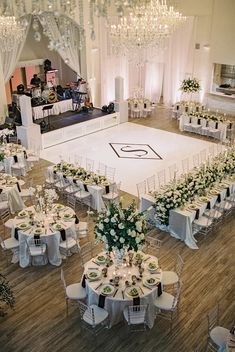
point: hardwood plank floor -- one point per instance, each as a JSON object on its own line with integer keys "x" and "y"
{"x": 38, "y": 322}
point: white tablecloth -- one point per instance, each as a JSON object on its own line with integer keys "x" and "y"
{"x": 50, "y": 237}
{"x": 12, "y": 193}
{"x": 58, "y": 108}
{"x": 115, "y": 305}
{"x": 180, "y": 220}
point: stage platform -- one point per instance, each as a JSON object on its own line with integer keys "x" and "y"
{"x": 70, "y": 118}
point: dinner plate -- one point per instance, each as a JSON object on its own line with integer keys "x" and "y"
{"x": 132, "y": 291}
{"x": 93, "y": 274}
{"x": 107, "y": 289}
{"x": 204, "y": 199}
{"x": 24, "y": 226}
{"x": 67, "y": 216}
{"x": 38, "y": 231}
{"x": 150, "y": 281}
{"x": 152, "y": 266}
{"x": 100, "y": 259}
{"x": 215, "y": 193}
{"x": 23, "y": 214}
{"x": 59, "y": 206}
{"x": 193, "y": 207}
{"x": 139, "y": 255}
{"x": 57, "y": 227}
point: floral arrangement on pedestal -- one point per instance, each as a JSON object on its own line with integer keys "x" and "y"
{"x": 193, "y": 184}
{"x": 121, "y": 228}
{"x": 45, "y": 197}
{"x": 190, "y": 85}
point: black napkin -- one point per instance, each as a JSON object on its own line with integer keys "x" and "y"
{"x": 16, "y": 235}
{"x": 136, "y": 301}
{"x": 18, "y": 186}
{"x": 36, "y": 237}
{"x": 107, "y": 189}
{"x": 85, "y": 187}
{"x": 186, "y": 109}
{"x": 54, "y": 172}
{"x": 0, "y": 190}
{"x": 219, "y": 198}
{"x": 159, "y": 289}
{"x": 230, "y": 126}
{"x": 227, "y": 192}
{"x": 25, "y": 155}
{"x": 7, "y": 138}
{"x": 208, "y": 205}
{"x": 177, "y": 107}
{"x": 101, "y": 302}
{"x": 74, "y": 181}
{"x": 216, "y": 125}
{"x": 84, "y": 281}
{"x": 63, "y": 234}
{"x": 15, "y": 158}
{"x": 64, "y": 176}
{"x": 197, "y": 214}
{"x": 197, "y": 108}
{"x": 76, "y": 219}
{"x": 199, "y": 121}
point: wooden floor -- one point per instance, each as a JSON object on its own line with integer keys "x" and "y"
{"x": 39, "y": 324}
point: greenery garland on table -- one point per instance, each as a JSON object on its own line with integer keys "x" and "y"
{"x": 190, "y": 85}
{"x": 121, "y": 228}
{"x": 80, "y": 173}
{"x": 212, "y": 117}
{"x": 2, "y": 156}
{"x": 193, "y": 184}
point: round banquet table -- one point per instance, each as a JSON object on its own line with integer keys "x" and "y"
{"x": 49, "y": 234}
{"x": 10, "y": 187}
{"x": 116, "y": 304}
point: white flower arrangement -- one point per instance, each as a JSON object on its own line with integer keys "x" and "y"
{"x": 193, "y": 184}
{"x": 217, "y": 118}
{"x": 190, "y": 85}
{"x": 6, "y": 132}
{"x": 121, "y": 228}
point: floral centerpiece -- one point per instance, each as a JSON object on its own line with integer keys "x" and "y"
{"x": 217, "y": 118}
{"x": 45, "y": 197}
{"x": 5, "y": 133}
{"x": 190, "y": 85}
{"x": 121, "y": 228}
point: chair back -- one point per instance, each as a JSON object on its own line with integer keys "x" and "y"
{"x": 194, "y": 120}
{"x": 137, "y": 314}
{"x": 110, "y": 173}
{"x": 211, "y": 150}
{"x": 62, "y": 277}
{"x": 177, "y": 290}
{"x": 172, "y": 171}
{"x": 161, "y": 178}
{"x": 101, "y": 169}
{"x": 179, "y": 265}
{"x": 196, "y": 160}
{"x": 35, "y": 242}
{"x": 77, "y": 160}
{"x": 2, "y": 243}
{"x": 213, "y": 317}
{"x": 90, "y": 164}
{"x": 185, "y": 165}
{"x": 4, "y": 216}
{"x": 83, "y": 308}
{"x": 141, "y": 188}
{"x": 86, "y": 252}
{"x": 71, "y": 202}
{"x": 151, "y": 183}
{"x": 203, "y": 155}
{"x": 203, "y": 122}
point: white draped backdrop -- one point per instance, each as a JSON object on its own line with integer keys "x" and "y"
{"x": 159, "y": 75}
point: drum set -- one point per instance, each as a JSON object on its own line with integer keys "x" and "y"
{"x": 39, "y": 96}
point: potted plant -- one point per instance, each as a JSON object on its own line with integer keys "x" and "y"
{"x": 7, "y": 298}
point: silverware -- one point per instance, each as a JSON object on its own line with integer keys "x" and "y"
{"x": 145, "y": 260}
{"x": 115, "y": 292}
{"x": 92, "y": 268}
{"x": 99, "y": 286}
{"x": 95, "y": 263}
{"x": 141, "y": 290}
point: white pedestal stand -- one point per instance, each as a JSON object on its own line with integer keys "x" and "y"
{"x": 120, "y": 105}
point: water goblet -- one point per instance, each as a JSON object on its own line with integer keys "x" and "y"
{"x": 141, "y": 270}
{"x": 116, "y": 280}
{"x": 104, "y": 272}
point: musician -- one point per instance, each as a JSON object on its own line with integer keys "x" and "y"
{"x": 35, "y": 81}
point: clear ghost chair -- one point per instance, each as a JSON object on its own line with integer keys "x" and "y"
{"x": 196, "y": 160}
{"x": 161, "y": 178}
{"x": 172, "y": 171}
{"x": 185, "y": 165}
{"x": 203, "y": 155}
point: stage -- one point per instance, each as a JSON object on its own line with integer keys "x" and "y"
{"x": 70, "y": 118}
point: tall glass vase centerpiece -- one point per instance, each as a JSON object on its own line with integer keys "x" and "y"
{"x": 121, "y": 229}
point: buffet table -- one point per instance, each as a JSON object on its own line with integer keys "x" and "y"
{"x": 31, "y": 222}
{"x": 120, "y": 296}
{"x": 58, "y": 108}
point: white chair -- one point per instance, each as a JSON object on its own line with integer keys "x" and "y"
{"x": 68, "y": 245}
{"x": 114, "y": 193}
{"x": 4, "y": 204}
{"x": 151, "y": 184}
{"x": 135, "y": 110}
{"x": 90, "y": 165}
{"x": 86, "y": 252}
{"x": 204, "y": 224}
{"x": 73, "y": 292}
{"x": 167, "y": 304}
{"x": 185, "y": 165}
{"x": 213, "y": 132}
{"x": 93, "y": 318}
{"x": 211, "y": 150}
{"x": 82, "y": 226}
{"x": 110, "y": 173}
{"x": 136, "y": 317}
{"x": 9, "y": 244}
{"x": 172, "y": 277}
{"x": 101, "y": 169}
{"x": 147, "y": 111}
{"x": 161, "y": 178}
{"x": 217, "y": 335}
{"x": 19, "y": 168}
{"x": 77, "y": 160}
{"x": 154, "y": 245}
{"x": 186, "y": 123}
{"x": 196, "y": 160}
{"x": 141, "y": 189}
{"x": 195, "y": 126}
{"x": 50, "y": 178}
{"x": 204, "y": 127}
{"x": 172, "y": 172}
{"x": 37, "y": 249}
{"x": 83, "y": 197}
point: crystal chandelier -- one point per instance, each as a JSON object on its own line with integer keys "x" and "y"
{"x": 148, "y": 26}
{"x": 11, "y": 32}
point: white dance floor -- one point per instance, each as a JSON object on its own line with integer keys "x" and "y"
{"x": 131, "y": 169}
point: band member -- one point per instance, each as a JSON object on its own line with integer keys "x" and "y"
{"x": 35, "y": 81}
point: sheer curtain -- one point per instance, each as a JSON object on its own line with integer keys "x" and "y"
{"x": 178, "y": 61}
{"x": 70, "y": 55}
